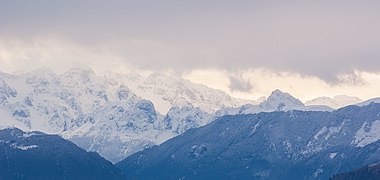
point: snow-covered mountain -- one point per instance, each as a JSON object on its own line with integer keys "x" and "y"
{"x": 103, "y": 114}
{"x": 121, "y": 129}
{"x": 334, "y": 102}
{"x": 275, "y": 145}
{"x": 118, "y": 115}
{"x": 167, "y": 91}
{"x": 277, "y": 101}
{"x": 65, "y": 99}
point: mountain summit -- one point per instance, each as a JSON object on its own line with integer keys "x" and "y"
{"x": 281, "y": 101}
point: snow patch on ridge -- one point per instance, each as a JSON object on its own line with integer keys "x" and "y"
{"x": 24, "y": 148}
{"x": 367, "y": 134}
{"x": 332, "y": 155}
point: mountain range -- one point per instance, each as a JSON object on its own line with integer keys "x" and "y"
{"x": 268, "y": 145}
{"x": 159, "y": 126}
{"x": 102, "y": 113}
{"x": 117, "y": 115}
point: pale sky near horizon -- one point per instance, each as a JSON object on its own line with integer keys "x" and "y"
{"x": 245, "y": 47}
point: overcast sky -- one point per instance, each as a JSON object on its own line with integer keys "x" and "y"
{"x": 334, "y": 46}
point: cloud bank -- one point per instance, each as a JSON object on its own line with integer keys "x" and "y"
{"x": 324, "y": 39}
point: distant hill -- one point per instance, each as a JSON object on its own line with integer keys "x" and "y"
{"x": 335, "y": 102}
{"x": 36, "y": 155}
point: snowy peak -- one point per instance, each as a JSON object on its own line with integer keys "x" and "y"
{"x": 39, "y": 77}
{"x": 166, "y": 91}
{"x": 334, "y": 102}
{"x": 180, "y": 119}
{"x": 279, "y": 100}
{"x": 76, "y": 75}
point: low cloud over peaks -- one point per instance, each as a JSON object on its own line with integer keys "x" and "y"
{"x": 322, "y": 39}
{"x": 238, "y": 83}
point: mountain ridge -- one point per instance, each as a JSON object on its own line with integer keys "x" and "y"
{"x": 106, "y": 115}
{"x": 271, "y": 145}
{"x": 36, "y": 155}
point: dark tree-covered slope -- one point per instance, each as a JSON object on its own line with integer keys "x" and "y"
{"x": 36, "y": 155}
{"x": 276, "y": 145}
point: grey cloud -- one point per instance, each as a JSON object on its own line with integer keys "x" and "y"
{"x": 238, "y": 83}
{"x": 352, "y": 79}
{"x": 319, "y": 38}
